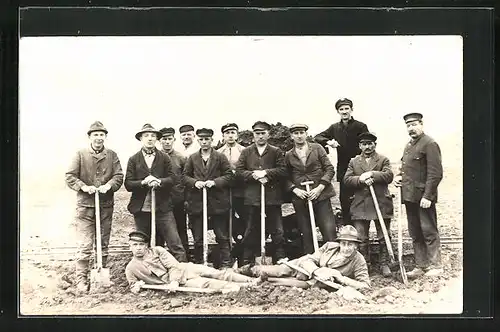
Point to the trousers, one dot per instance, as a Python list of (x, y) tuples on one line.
[(363, 228)]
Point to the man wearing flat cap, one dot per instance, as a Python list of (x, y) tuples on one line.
[(95, 169), (343, 136), (309, 162), (189, 144), (262, 163), (370, 169), (421, 173), (156, 266), (151, 169), (208, 169), (178, 162)]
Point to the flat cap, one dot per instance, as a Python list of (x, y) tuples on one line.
[(204, 132), (367, 136), (147, 128), (167, 131), (298, 126), (261, 125), (138, 236), (343, 101), (97, 126), (229, 126), (186, 128), (412, 117)]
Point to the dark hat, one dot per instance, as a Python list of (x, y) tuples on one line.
[(167, 131), (298, 126), (367, 136), (147, 128), (229, 126), (343, 101), (348, 233), (97, 126), (138, 236), (186, 128), (204, 132), (261, 125), (412, 117)]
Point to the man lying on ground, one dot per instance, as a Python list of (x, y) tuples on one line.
[(334, 261), (156, 266)]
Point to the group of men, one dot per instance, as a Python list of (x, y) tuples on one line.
[(235, 178)]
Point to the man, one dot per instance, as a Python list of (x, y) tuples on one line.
[(156, 266), (93, 169), (189, 146), (365, 170), (147, 170), (262, 164), (209, 169), (232, 150), (343, 136), (338, 261), (421, 173), (309, 162), (178, 162)]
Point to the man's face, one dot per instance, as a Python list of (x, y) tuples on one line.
[(97, 139), (167, 142), (187, 137), (299, 136), (261, 136), (230, 136), (347, 248), (205, 142), (415, 128), (367, 147), (138, 248), (345, 112)]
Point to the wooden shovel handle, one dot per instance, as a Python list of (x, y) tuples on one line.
[(98, 242), (382, 225)]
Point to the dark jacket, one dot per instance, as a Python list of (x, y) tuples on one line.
[(218, 170), (237, 183), (91, 169), (362, 207), (137, 170), (318, 168), (421, 170), (273, 161), (178, 162), (347, 136)]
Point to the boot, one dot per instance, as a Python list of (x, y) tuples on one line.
[(383, 257), (81, 275), (104, 261), (198, 254), (415, 273), (364, 249)]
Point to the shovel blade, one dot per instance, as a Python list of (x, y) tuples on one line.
[(100, 278), (403, 274), (264, 260)]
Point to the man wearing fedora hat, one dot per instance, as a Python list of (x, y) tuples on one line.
[(147, 169), (421, 173), (370, 169), (93, 169), (339, 261), (189, 144), (309, 162), (343, 136)]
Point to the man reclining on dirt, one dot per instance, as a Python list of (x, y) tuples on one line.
[(156, 266), (338, 261)]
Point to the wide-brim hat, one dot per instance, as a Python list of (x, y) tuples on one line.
[(348, 233), (147, 128), (97, 126), (138, 236), (412, 117), (343, 101)]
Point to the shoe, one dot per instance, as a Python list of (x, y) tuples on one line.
[(415, 273), (245, 270), (386, 271), (434, 272)]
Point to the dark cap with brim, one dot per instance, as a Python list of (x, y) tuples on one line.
[(348, 233), (167, 131), (229, 126), (138, 236), (412, 117), (261, 125), (298, 126), (204, 132), (186, 128), (343, 101), (367, 136)]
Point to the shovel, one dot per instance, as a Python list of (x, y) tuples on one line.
[(382, 225), (400, 239), (263, 260), (332, 155), (205, 227), (311, 216), (153, 218), (99, 276), (181, 289)]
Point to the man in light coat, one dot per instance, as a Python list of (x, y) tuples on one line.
[(188, 139)]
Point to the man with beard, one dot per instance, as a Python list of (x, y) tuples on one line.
[(156, 266), (151, 169), (343, 136), (189, 146), (93, 169), (370, 169), (421, 173)]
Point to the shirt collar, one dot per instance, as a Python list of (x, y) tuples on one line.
[(147, 154), (92, 150), (351, 120)]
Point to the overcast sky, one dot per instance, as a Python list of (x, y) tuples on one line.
[(66, 83)]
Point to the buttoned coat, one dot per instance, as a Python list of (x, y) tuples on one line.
[(91, 169), (421, 170), (218, 170), (317, 168), (178, 162), (273, 162), (362, 206), (137, 170), (237, 183)]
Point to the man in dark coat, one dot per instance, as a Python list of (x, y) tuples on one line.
[(93, 169), (209, 169), (147, 169), (262, 163), (343, 136), (309, 162), (421, 173), (370, 169)]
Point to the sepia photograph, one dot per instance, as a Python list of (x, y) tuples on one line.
[(241, 175)]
